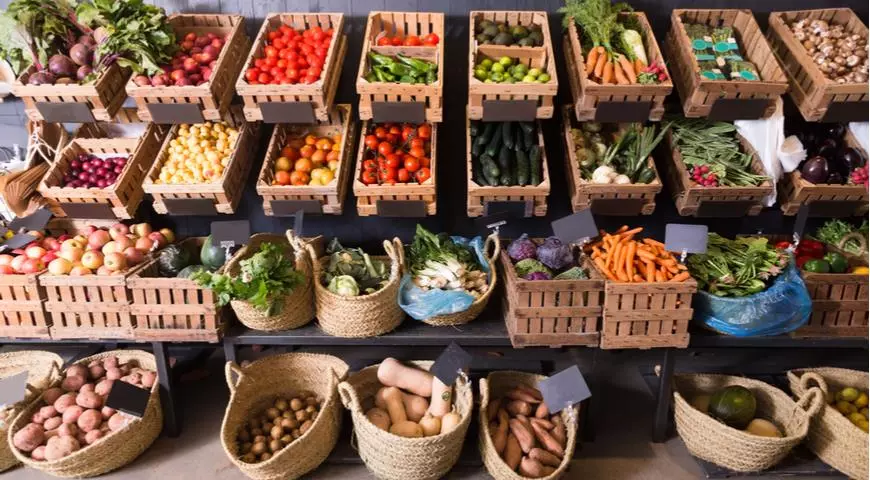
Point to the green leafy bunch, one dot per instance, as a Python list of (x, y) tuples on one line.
[(599, 20), (737, 268), (50, 26), (439, 248)]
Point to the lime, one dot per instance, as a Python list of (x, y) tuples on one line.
[(488, 80), (506, 61), (486, 63), (498, 77), (529, 79), (481, 74), (518, 76), (856, 418), (497, 68), (865, 413), (849, 394), (863, 425), (543, 78), (521, 67), (534, 72)]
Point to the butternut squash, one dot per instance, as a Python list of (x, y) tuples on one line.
[(407, 429), (431, 425), (395, 405), (380, 401), (449, 422), (415, 406), (393, 373), (380, 418), (442, 398)]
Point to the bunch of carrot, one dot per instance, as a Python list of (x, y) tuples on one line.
[(621, 258), (616, 69)]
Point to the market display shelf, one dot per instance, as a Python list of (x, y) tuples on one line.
[(800, 462)]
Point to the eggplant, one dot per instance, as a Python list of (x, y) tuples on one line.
[(835, 130), (835, 178), (851, 159), (815, 170)]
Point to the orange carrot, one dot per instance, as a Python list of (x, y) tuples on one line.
[(659, 276), (607, 75), (633, 231), (606, 271), (591, 60), (627, 68), (622, 229), (638, 65), (619, 75), (646, 254), (653, 243), (680, 277), (650, 272), (621, 276), (599, 66), (629, 258), (638, 278)]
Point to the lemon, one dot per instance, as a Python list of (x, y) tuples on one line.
[(856, 418), (849, 394), (865, 413), (846, 408), (861, 401)]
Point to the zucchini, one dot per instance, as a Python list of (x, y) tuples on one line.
[(529, 139), (486, 135), (505, 158), (522, 168), (507, 137), (491, 171), (535, 166), (476, 171), (504, 179), (477, 148), (528, 127), (474, 128), (519, 143), (493, 145)]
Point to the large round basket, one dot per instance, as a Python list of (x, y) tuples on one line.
[(294, 309), (495, 386), (43, 370), (365, 315), (836, 440), (255, 388), (112, 451), (711, 440), (392, 457), (480, 303)]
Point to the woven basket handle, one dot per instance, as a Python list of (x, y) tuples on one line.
[(230, 370), (348, 397), (853, 236), (809, 377), (315, 263), (492, 240), (297, 243), (812, 401), (396, 252)]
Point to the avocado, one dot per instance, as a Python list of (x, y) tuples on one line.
[(483, 25), (537, 37), (504, 39), (482, 37), (502, 27), (519, 32), (491, 31), (526, 42)]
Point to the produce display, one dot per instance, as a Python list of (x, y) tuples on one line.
[(352, 272), (193, 63), (412, 403), (812, 256), (89, 171), (841, 56), (852, 403), (308, 160), (182, 261), (396, 153), (718, 54), (713, 155), (739, 267), (508, 70), (100, 251), (621, 258), (262, 280), (526, 436), (400, 69), (440, 262), (268, 431), (505, 154), (74, 414), (428, 40), (199, 153), (547, 260), (850, 239), (610, 154), (828, 159), (291, 56), (736, 407), (488, 32), (614, 42)]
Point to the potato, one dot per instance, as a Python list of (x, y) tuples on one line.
[(276, 432), (311, 401), (52, 433), (38, 453), (51, 395), (296, 434), (305, 426), (275, 445), (132, 379), (108, 412), (52, 423), (282, 404), (90, 420), (88, 388), (80, 436), (71, 414), (301, 415), (257, 432), (289, 423), (249, 458), (259, 448), (29, 437), (245, 447), (148, 379), (244, 435), (93, 436), (77, 371), (67, 430), (117, 422), (104, 387), (253, 423), (73, 384), (273, 413), (37, 418), (287, 439), (89, 400), (65, 401), (126, 368), (288, 414), (59, 447), (265, 456), (110, 362), (296, 404), (113, 373)]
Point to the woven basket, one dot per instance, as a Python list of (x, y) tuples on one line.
[(295, 308), (257, 385), (832, 436), (366, 315), (479, 304), (393, 457), (711, 440), (43, 370), (112, 451), (496, 385)]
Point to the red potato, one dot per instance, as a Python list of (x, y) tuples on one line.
[(77, 371), (110, 362), (29, 437), (88, 387), (90, 420), (132, 379), (52, 433), (117, 422), (37, 418), (89, 400), (51, 395), (65, 401), (97, 371), (38, 453), (59, 447), (148, 379), (104, 387), (108, 412), (48, 411), (93, 436), (114, 373), (71, 414), (68, 430), (52, 423), (73, 384)]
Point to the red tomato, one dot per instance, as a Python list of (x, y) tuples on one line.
[(417, 152), (279, 43), (370, 165), (251, 74), (393, 138), (282, 64), (309, 79), (413, 41), (273, 35), (431, 39), (385, 148), (381, 133), (424, 131), (372, 142), (369, 178), (418, 142), (783, 245), (264, 78), (385, 41), (412, 164), (395, 130), (407, 131), (393, 160), (425, 162), (403, 176), (260, 63), (390, 174), (422, 175), (270, 51), (271, 61), (292, 74), (276, 71), (397, 41), (285, 29)]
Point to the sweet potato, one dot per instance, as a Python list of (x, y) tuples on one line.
[(559, 432), (548, 425), (492, 409), (530, 467), (73, 384), (518, 407), (523, 434), (51, 395), (89, 400), (38, 453), (117, 422), (90, 420), (59, 447), (542, 411), (551, 444), (29, 437), (512, 452), (71, 414), (77, 371), (546, 458), (407, 429), (521, 395), (499, 436), (534, 392)]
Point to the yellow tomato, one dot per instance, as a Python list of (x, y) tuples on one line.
[(326, 176), (282, 164), (861, 270), (333, 165)]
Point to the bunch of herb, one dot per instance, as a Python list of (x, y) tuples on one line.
[(437, 262), (835, 229), (715, 145), (599, 20), (262, 280), (51, 27), (737, 268)]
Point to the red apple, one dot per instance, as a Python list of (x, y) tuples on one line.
[(115, 262), (159, 239), (109, 248), (17, 252), (32, 265), (141, 229), (51, 243), (71, 244), (60, 266), (17, 262), (6, 270), (90, 229), (134, 256), (92, 259), (104, 270), (118, 230), (80, 270), (73, 254), (35, 252), (144, 244), (5, 259), (36, 233), (48, 257), (97, 239), (122, 243), (63, 237)]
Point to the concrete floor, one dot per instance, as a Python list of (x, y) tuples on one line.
[(622, 449)]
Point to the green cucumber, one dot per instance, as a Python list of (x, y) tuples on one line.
[(519, 144), (493, 145), (529, 139), (522, 168), (477, 148), (535, 166), (486, 135), (507, 137), (528, 127), (491, 171), (474, 128)]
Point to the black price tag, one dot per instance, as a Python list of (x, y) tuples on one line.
[(846, 112), (681, 237), (835, 208), (611, 112), (400, 112), (128, 399), (13, 389), (800, 221), (288, 112), (564, 389), (513, 208), (190, 206), (401, 208), (724, 208), (172, 113), (35, 221), (231, 233), (288, 208), (18, 240), (575, 227), (730, 109), (97, 211), (617, 206), (65, 112), (510, 110), (451, 361)]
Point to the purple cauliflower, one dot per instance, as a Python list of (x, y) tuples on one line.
[(522, 248), (538, 276), (555, 254)]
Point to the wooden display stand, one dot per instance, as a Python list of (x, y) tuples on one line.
[(73, 103)]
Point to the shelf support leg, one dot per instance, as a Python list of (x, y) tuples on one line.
[(663, 398), (171, 412)]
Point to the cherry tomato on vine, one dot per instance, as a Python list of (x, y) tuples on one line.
[(422, 175)]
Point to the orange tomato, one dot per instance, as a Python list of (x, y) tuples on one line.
[(333, 155), (291, 153), (336, 138), (324, 144), (319, 157), (310, 140), (299, 178), (304, 165), (284, 178), (307, 151)]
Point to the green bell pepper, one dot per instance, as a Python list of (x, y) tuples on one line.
[(838, 262), (817, 265)]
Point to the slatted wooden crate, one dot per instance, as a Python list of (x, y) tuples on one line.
[(319, 94), (22, 311), (816, 97), (692, 199), (647, 315), (553, 313), (535, 196), (120, 200), (616, 100), (700, 95), (409, 199), (402, 23), (605, 199), (480, 94), (102, 98), (124, 117), (174, 309), (284, 200), (213, 98), (206, 198)]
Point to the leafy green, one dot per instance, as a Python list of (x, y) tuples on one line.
[(573, 273), (736, 268), (438, 248), (51, 26), (835, 229), (715, 144), (13, 45), (597, 18), (263, 278), (369, 274)]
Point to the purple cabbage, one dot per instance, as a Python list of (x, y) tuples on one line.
[(555, 254), (522, 248), (538, 276)]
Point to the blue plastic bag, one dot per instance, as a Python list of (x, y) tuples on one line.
[(782, 308), (422, 305)]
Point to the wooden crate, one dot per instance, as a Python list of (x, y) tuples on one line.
[(22, 311), (840, 304), (699, 95), (319, 94), (103, 98), (174, 309), (811, 91), (206, 198), (402, 23), (126, 115), (214, 97), (647, 315), (609, 199), (281, 200), (535, 196), (368, 196), (692, 199), (120, 200), (553, 313), (589, 95), (542, 94)]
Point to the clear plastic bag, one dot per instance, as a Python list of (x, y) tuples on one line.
[(782, 308)]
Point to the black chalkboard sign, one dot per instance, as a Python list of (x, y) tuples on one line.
[(102, 211), (401, 112), (65, 112), (401, 208), (128, 399), (288, 112), (190, 206), (610, 112), (730, 109), (171, 113), (288, 208), (510, 110)]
